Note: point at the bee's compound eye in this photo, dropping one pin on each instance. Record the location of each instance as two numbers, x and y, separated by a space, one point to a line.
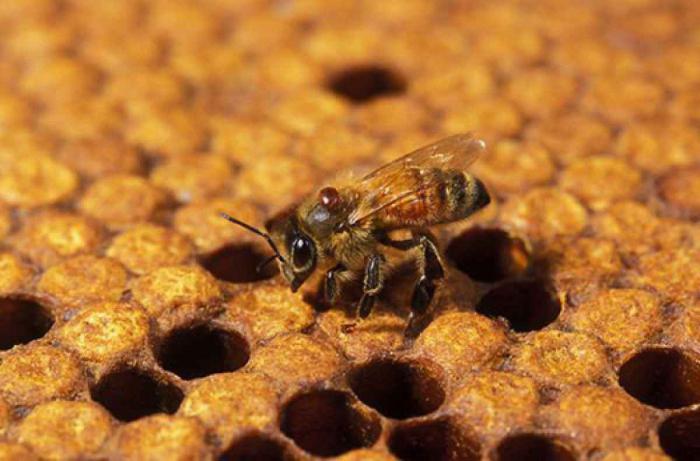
302 252
329 197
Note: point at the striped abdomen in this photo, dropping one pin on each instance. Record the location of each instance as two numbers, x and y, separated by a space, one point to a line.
435 196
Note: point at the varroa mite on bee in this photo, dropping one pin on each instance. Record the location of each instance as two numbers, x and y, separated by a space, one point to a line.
344 229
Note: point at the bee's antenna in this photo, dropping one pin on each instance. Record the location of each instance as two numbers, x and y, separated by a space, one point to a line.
257 231
259 268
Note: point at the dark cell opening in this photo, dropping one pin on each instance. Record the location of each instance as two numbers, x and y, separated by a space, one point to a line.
527 305
396 389
326 423
532 447
662 377
679 435
239 263
202 350
439 439
22 321
255 447
361 84
488 255
130 394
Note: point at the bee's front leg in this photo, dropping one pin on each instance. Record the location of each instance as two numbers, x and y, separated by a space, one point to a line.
330 285
372 284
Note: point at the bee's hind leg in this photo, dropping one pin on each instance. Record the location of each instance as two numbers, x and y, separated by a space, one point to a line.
372 284
430 268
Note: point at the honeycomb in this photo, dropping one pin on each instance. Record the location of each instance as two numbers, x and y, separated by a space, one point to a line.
134 326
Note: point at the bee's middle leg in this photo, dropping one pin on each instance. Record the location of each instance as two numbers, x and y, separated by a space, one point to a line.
372 284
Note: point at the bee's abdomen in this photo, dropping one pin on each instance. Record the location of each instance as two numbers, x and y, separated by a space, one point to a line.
463 195
443 196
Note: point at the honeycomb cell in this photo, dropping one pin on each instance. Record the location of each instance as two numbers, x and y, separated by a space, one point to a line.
359 339
358 147
527 304
491 117
470 82
398 389
605 314
161 437
50 237
278 178
658 146
528 164
584 263
571 136
488 255
628 224
34 374
361 84
602 417
105 332
231 404
130 393
22 321
34 180
459 341
542 92
496 401
83 280
661 377
680 190
241 263
545 213
14 274
557 358
674 270
176 287
146 247
328 423
256 446
443 438
203 224
532 447
100 156
391 115
600 181
677 434
122 200
244 141
164 131
64 430
296 359
623 98
269 310
191 177
305 111
201 350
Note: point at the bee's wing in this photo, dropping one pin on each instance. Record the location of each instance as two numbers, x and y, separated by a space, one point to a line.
402 180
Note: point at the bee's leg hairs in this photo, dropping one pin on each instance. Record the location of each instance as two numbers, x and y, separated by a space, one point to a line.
372 284
330 283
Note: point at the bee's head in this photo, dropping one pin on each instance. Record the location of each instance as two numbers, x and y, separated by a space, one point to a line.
294 250
298 259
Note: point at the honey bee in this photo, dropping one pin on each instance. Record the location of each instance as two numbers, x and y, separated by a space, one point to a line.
345 229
